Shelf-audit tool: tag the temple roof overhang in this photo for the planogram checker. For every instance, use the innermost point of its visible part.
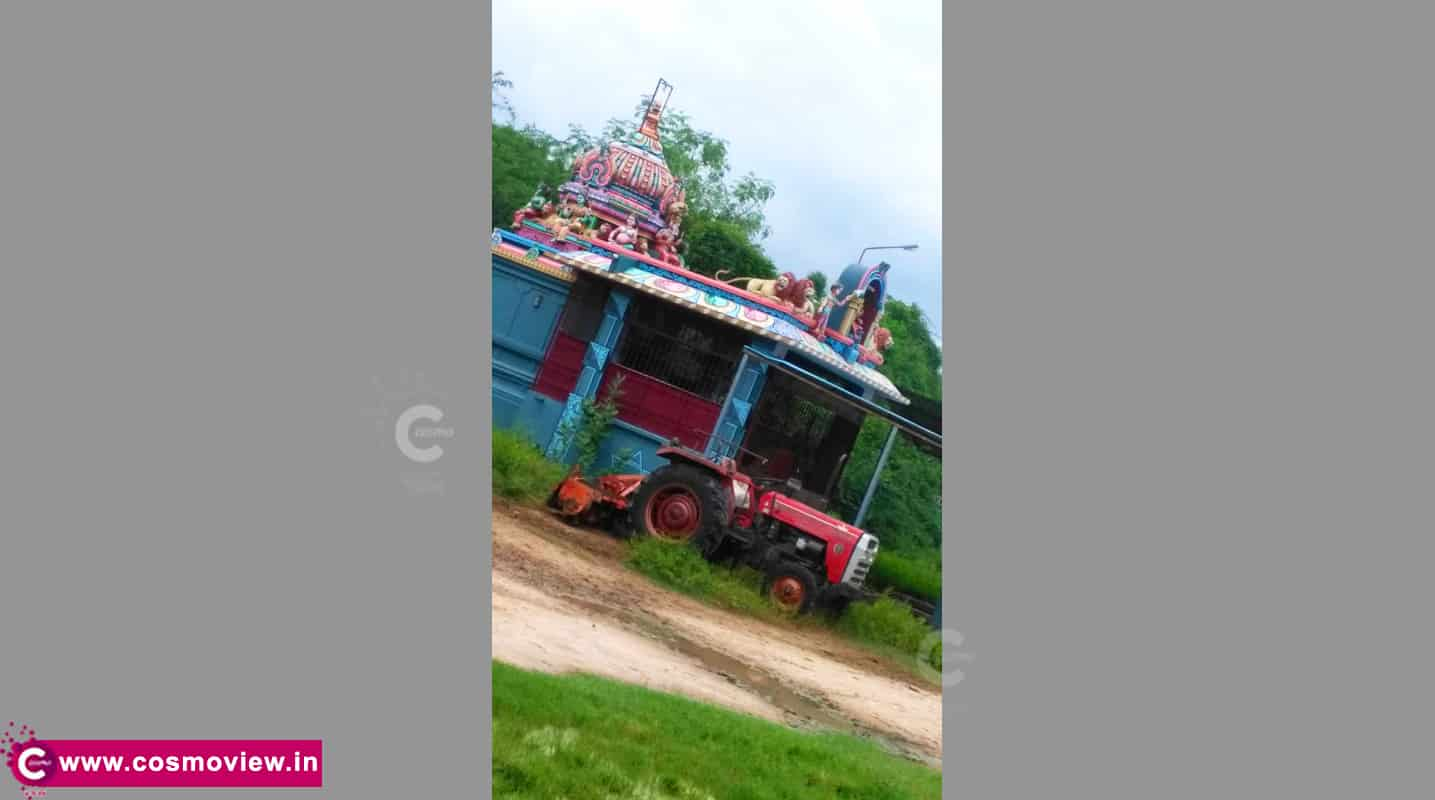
(701, 294)
(909, 426)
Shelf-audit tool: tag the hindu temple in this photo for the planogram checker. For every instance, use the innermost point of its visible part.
(590, 290)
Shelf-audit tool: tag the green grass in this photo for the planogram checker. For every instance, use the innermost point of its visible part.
(587, 738)
(673, 565)
(520, 470)
(680, 568)
(885, 627)
(913, 573)
(887, 623)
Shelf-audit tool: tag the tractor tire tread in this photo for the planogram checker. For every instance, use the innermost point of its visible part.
(710, 494)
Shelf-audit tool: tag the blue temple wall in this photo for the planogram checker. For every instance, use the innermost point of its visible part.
(526, 308)
(526, 305)
(630, 449)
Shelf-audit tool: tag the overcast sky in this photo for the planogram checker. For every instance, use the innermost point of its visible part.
(838, 104)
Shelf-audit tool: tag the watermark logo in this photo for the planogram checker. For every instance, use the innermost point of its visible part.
(411, 419)
(159, 763)
(31, 761)
(938, 656)
(35, 762)
(407, 431)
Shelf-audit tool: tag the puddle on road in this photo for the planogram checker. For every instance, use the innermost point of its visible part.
(805, 711)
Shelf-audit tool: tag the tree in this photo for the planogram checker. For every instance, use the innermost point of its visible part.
(914, 361)
(819, 284)
(522, 159)
(906, 510)
(711, 245)
(500, 99)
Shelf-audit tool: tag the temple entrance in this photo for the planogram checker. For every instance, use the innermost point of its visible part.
(802, 434)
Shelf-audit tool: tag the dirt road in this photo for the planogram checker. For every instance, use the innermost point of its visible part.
(563, 602)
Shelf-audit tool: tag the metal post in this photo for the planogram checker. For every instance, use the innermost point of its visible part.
(907, 247)
(877, 473)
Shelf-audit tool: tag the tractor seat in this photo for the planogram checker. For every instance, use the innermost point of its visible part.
(779, 464)
(810, 498)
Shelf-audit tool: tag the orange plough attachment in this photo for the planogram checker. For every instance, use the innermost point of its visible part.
(593, 502)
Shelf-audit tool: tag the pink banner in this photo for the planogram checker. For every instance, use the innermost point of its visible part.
(161, 763)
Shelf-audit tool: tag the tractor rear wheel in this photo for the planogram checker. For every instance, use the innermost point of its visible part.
(682, 503)
(791, 587)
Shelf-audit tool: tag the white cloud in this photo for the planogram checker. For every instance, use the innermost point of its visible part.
(838, 104)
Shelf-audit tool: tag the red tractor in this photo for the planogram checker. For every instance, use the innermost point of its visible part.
(808, 557)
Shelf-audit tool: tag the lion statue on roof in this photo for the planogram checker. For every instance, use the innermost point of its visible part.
(802, 296)
(772, 288)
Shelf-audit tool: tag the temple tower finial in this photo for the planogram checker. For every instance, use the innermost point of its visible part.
(648, 131)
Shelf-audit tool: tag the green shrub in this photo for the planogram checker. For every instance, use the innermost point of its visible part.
(520, 470)
(741, 589)
(885, 622)
(680, 567)
(674, 565)
(585, 433)
(913, 573)
(886, 627)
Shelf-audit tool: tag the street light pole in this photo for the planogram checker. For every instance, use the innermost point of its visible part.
(876, 474)
(892, 436)
(908, 247)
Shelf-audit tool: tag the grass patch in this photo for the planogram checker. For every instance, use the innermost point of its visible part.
(673, 565)
(885, 627)
(887, 623)
(579, 736)
(907, 572)
(680, 568)
(520, 470)
(742, 589)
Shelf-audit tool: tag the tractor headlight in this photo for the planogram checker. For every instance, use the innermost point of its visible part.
(741, 495)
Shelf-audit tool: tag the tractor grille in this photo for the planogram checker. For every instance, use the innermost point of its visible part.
(859, 570)
(862, 559)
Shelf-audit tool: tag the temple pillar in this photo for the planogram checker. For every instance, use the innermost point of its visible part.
(732, 420)
(595, 360)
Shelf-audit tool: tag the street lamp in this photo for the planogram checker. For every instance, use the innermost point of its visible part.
(891, 436)
(908, 247)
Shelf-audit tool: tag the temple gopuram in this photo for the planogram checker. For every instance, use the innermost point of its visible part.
(589, 290)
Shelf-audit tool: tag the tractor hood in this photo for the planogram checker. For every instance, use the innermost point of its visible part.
(809, 520)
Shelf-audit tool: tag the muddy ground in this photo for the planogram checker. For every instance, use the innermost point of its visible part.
(563, 602)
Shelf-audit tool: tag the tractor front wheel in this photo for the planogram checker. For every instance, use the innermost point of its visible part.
(791, 587)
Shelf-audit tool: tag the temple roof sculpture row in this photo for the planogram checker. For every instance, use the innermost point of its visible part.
(619, 217)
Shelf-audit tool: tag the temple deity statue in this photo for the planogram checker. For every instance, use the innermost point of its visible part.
(626, 234)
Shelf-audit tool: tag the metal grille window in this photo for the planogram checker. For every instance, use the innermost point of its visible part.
(584, 311)
(680, 348)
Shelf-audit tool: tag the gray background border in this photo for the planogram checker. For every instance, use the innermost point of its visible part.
(238, 239)
(1189, 398)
